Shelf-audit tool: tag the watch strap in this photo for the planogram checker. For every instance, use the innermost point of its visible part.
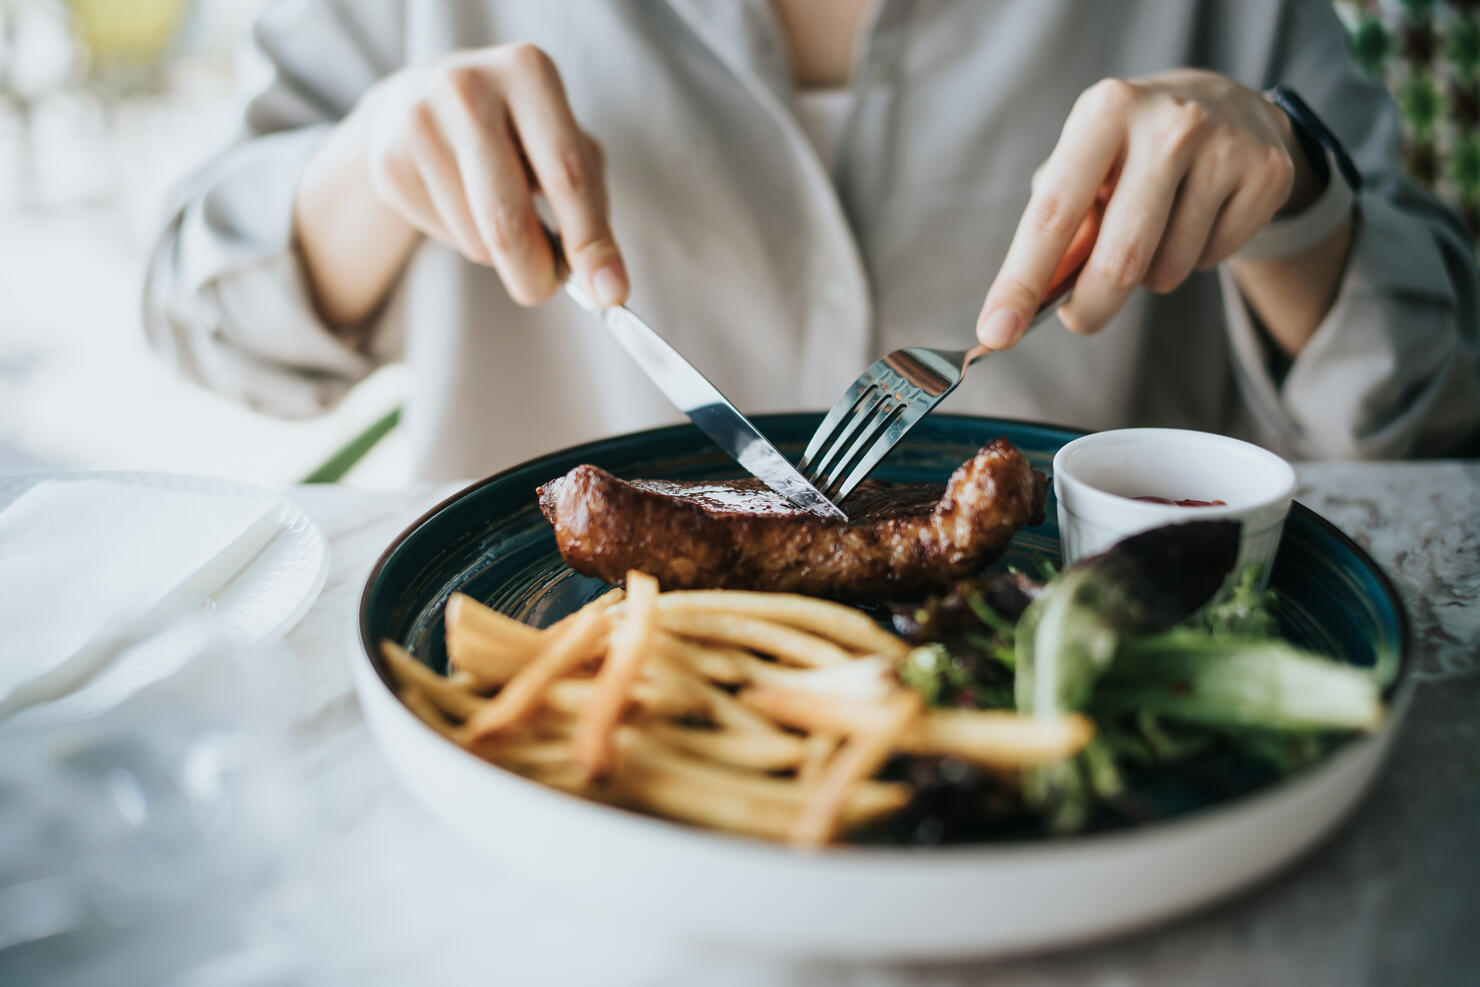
(1311, 130)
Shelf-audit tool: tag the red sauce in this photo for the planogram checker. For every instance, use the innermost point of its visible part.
(1182, 503)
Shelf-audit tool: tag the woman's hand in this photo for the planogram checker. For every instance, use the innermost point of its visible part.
(459, 149)
(456, 150)
(1189, 164)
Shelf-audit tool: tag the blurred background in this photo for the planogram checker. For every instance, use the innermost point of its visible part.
(104, 104)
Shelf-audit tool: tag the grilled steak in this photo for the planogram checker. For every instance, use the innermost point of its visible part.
(901, 541)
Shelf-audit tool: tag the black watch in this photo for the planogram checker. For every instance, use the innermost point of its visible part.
(1316, 139)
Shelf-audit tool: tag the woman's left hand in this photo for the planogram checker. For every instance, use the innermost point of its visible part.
(1189, 165)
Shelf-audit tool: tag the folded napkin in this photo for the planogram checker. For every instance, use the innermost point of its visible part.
(88, 566)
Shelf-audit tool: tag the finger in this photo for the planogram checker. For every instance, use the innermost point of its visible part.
(1088, 149)
(443, 182)
(1135, 220)
(398, 183)
(570, 176)
(497, 189)
(1263, 188)
(597, 152)
(1208, 185)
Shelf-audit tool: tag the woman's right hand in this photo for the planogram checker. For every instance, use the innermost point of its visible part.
(460, 147)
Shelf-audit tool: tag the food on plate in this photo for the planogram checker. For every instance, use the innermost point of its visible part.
(758, 713)
(901, 540)
(1183, 694)
(1146, 676)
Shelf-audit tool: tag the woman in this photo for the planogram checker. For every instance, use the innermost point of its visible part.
(788, 190)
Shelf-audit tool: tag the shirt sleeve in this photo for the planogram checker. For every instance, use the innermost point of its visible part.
(1394, 368)
(226, 299)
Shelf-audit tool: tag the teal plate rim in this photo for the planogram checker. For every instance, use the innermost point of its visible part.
(1396, 690)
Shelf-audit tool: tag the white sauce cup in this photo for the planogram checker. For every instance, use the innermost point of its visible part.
(1097, 478)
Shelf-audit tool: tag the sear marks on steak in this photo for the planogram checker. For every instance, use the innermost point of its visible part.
(902, 541)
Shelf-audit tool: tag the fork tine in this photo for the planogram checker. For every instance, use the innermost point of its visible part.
(877, 425)
(823, 437)
(873, 415)
(842, 436)
(883, 445)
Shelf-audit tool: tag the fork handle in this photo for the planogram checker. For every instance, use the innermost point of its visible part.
(1076, 255)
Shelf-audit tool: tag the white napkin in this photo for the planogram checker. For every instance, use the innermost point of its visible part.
(89, 565)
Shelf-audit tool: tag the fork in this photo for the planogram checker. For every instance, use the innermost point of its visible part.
(889, 398)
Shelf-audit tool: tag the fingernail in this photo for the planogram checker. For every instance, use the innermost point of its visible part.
(1000, 329)
(608, 284)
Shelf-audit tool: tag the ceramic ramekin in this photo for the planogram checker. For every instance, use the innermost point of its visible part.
(1097, 478)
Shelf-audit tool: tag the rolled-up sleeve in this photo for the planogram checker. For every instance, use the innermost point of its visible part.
(1394, 368)
(226, 299)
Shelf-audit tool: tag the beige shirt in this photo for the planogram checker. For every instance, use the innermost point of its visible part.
(781, 281)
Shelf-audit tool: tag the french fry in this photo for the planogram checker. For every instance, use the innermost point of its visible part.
(754, 749)
(862, 679)
(495, 646)
(786, 643)
(526, 753)
(463, 611)
(565, 651)
(471, 682)
(716, 663)
(998, 738)
(992, 738)
(727, 711)
(818, 698)
(543, 724)
(834, 621)
(811, 711)
(447, 696)
(658, 694)
(709, 802)
(490, 659)
(676, 690)
(630, 645)
(429, 712)
(759, 671)
(568, 696)
(567, 777)
(819, 747)
(864, 753)
(660, 780)
(697, 696)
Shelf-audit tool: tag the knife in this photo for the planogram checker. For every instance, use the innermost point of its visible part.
(693, 394)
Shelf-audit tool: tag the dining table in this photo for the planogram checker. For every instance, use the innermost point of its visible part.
(387, 895)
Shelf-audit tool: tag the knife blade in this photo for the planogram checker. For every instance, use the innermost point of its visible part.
(709, 410)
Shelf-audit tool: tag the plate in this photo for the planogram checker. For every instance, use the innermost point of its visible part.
(862, 902)
(265, 599)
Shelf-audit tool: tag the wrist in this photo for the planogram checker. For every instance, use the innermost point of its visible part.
(351, 242)
(1310, 174)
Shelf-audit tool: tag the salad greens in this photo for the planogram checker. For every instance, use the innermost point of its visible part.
(1072, 633)
(1176, 677)
(1235, 682)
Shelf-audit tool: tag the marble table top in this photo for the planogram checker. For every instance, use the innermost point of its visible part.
(1392, 897)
